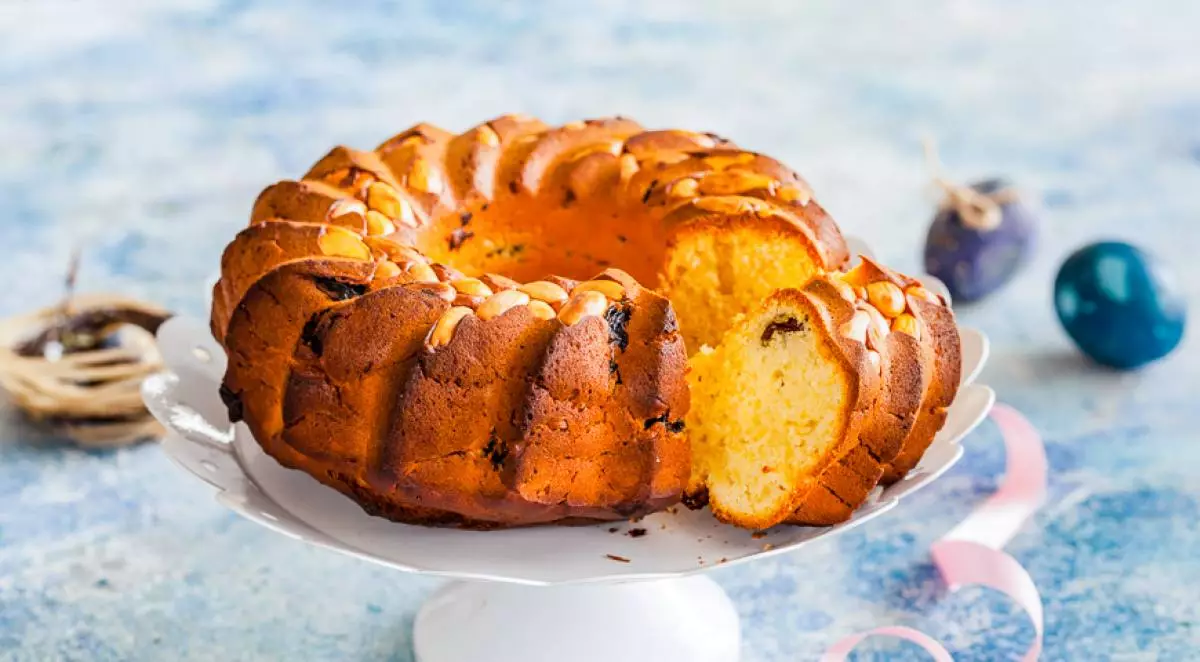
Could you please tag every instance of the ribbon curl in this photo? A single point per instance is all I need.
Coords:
(970, 553)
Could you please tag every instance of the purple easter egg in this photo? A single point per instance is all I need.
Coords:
(976, 251)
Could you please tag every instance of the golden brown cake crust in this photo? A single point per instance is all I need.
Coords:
(374, 344)
(896, 356)
(917, 338)
(942, 358)
(262, 335)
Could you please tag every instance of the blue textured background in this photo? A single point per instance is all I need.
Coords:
(145, 132)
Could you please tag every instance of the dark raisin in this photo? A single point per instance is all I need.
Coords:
(311, 336)
(457, 237)
(635, 533)
(782, 325)
(465, 217)
(339, 290)
(649, 422)
(696, 500)
(496, 451)
(622, 238)
(512, 186)
(649, 191)
(569, 198)
(629, 509)
(614, 369)
(506, 251)
(233, 403)
(617, 317)
(348, 180)
(675, 426)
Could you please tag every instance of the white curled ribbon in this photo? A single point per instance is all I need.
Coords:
(970, 553)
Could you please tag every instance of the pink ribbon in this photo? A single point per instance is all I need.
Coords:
(970, 552)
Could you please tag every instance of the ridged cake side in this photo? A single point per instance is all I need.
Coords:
(941, 356)
(893, 354)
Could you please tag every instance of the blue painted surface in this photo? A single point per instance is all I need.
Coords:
(145, 132)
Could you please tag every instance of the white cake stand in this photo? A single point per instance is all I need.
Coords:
(548, 594)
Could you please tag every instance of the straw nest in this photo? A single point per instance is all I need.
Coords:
(78, 368)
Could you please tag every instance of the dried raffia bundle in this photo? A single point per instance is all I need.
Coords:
(78, 367)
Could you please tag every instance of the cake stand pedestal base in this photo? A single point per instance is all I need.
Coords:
(646, 621)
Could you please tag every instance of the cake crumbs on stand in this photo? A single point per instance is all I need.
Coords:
(618, 559)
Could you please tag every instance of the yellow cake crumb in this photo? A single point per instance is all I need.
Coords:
(767, 407)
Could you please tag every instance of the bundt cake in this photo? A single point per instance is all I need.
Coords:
(805, 403)
(437, 328)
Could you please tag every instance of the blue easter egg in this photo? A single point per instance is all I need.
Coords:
(1119, 305)
(975, 261)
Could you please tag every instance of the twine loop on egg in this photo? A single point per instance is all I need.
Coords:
(978, 211)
